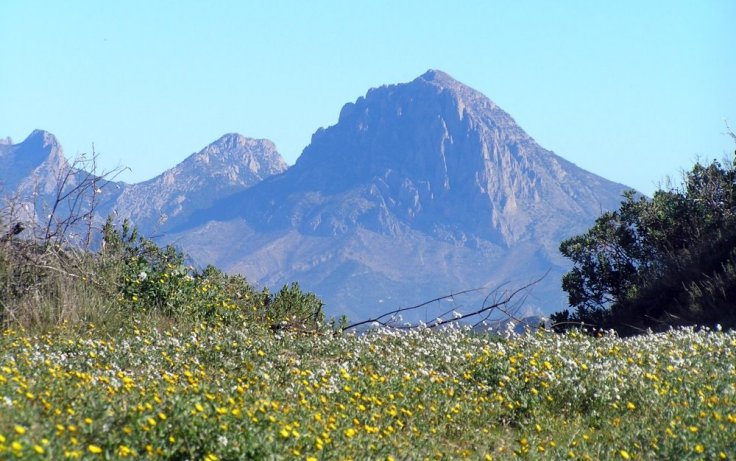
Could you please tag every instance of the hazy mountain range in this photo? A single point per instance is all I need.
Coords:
(420, 189)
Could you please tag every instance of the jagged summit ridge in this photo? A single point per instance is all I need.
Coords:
(445, 82)
(41, 138)
(38, 147)
(433, 103)
(436, 75)
(232, 151)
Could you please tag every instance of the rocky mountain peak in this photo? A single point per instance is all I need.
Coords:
(447, 149)
(230, 164)
(234, 151)
(436, 156)
(412, 125)
(38, 147)
(235, 140)
(42, 136)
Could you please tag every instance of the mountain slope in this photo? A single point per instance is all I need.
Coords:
(419, 189)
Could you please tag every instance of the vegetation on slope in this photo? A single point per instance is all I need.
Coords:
(44, 285)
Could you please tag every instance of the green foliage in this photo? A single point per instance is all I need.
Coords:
(292, 308)
(150, 278)
(652, 263)
(157, 279)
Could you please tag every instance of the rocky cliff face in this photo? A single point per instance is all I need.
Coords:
(420, 189)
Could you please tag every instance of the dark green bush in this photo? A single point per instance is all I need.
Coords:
(294, 309)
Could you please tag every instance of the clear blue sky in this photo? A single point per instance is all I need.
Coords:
(630, 90)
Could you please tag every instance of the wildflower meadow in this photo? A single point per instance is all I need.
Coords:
(237, 390)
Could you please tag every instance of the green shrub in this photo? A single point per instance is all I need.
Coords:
(294, 309)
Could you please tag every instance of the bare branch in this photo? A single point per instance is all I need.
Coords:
(507, 304)
(395, 312)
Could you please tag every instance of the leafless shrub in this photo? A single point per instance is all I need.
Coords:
(46, 270)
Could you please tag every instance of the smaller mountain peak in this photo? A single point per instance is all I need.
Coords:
(41, 150)
(230, 139)
(42, 137)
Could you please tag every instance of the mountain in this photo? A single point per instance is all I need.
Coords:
(228, 165)
(420, 189)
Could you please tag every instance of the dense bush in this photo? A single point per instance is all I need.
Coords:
(654, 263)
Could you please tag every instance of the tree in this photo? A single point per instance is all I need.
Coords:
(660, 261)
